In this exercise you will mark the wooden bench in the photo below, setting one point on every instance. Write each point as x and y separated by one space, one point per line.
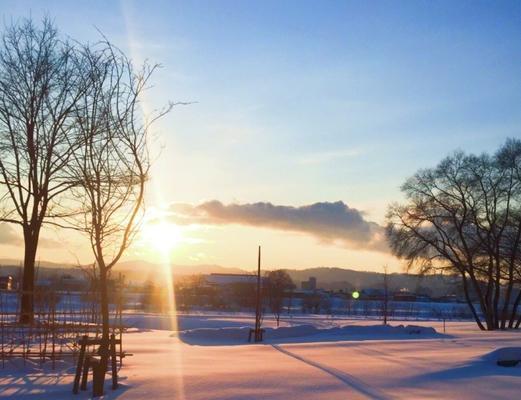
89 361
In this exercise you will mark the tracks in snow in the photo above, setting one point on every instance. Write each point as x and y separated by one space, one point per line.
354 383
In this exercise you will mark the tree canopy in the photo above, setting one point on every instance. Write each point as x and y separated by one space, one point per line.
464 216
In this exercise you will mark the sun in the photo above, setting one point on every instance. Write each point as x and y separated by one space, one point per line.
161 236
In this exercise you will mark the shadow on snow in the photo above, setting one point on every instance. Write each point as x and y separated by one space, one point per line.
306 333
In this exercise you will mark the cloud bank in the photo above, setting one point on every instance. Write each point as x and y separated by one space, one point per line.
329 222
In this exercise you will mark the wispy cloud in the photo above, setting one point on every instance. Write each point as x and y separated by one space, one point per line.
329 222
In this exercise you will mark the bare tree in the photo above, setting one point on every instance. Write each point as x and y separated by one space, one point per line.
110 168
279 283
385 303
508 247
464 216
39 91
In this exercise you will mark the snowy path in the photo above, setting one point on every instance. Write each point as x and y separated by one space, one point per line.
432 369
360 386
226 372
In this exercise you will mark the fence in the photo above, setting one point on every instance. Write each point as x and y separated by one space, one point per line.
60 319
396 310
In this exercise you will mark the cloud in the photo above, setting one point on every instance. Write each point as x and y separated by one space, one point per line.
329 222
8 236
51 243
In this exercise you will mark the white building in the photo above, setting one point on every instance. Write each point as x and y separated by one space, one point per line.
227 279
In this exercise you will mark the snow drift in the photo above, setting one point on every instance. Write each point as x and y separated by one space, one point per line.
231 336
503 354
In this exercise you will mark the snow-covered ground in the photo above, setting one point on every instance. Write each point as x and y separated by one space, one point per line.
206 356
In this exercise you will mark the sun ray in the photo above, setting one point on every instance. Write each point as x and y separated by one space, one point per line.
163 244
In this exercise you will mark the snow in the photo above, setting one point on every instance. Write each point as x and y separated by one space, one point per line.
504 354
206 356
305 333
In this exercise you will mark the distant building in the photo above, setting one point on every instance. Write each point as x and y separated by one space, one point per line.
44 283
450 298
228 279
404 296
233 290
6 282
70 283
372 294
310 284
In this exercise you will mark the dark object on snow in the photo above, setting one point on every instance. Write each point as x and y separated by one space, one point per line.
87 361
508 363
258 309
257 335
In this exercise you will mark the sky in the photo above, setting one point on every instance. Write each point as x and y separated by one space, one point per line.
305 118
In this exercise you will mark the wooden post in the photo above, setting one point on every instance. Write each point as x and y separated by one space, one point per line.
53 331
79 367
120 304
2 323
85 373
113 361
98 378
258 335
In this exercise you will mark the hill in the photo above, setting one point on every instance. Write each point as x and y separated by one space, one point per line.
349 279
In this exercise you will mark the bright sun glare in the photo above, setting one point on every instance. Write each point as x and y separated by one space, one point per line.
162 236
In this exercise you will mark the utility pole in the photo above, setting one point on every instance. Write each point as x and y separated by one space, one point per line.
258 333
386 294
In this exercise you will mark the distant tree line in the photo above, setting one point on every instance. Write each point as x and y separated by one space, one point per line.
192 291
464 217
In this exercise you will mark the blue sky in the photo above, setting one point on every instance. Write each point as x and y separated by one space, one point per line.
300 102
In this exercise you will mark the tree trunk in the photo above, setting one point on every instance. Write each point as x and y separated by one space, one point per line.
27 301
497 293
105 327
514 311
469 302
485 309
488 301
508 296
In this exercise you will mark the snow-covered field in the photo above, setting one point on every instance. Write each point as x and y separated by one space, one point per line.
206 356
